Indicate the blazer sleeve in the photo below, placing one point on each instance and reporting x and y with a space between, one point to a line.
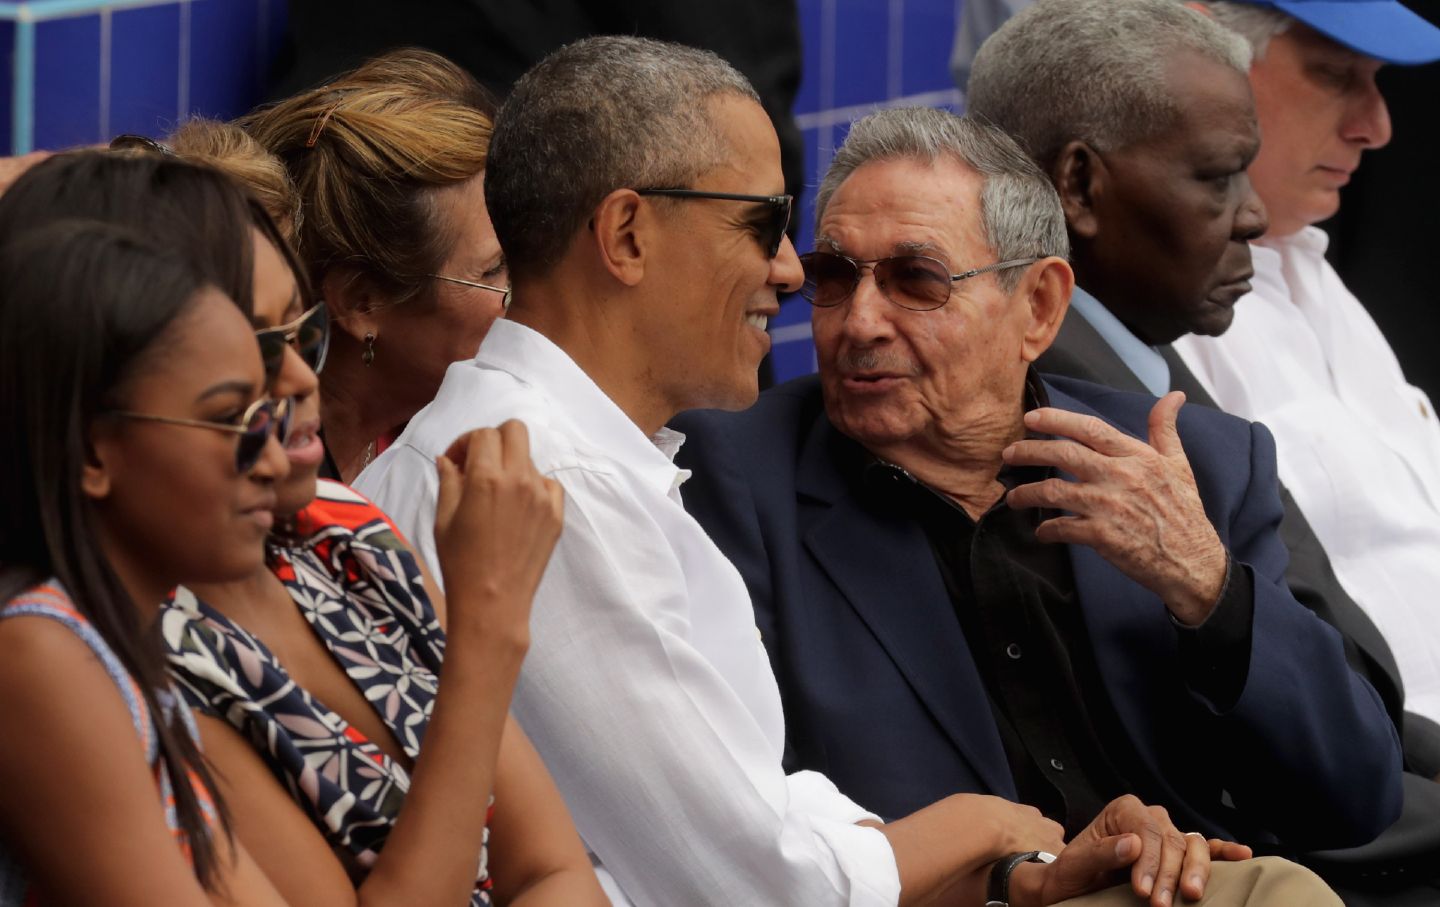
1310 748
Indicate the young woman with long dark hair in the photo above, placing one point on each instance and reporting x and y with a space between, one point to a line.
137 452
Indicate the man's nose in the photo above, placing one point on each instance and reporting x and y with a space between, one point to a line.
786 272
1367 120
868 314
1251 219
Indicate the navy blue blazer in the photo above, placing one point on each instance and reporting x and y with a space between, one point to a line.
879 687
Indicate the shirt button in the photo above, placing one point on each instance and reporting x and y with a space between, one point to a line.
1057 765
1013 650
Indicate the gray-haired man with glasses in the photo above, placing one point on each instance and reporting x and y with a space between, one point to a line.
972 579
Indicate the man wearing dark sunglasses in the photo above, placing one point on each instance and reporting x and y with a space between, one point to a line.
972 579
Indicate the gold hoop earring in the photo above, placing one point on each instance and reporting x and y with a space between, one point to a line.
368 356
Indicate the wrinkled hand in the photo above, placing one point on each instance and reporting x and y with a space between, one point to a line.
1127 833
496 523
1134 503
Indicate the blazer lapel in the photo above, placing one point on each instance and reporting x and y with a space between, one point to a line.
884 568
1131 639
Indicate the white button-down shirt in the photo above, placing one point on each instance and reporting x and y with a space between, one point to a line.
646 689
1358 446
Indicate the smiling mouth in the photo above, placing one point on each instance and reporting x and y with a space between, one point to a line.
757 320
301 435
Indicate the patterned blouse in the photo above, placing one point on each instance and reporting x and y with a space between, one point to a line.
49 600
360 588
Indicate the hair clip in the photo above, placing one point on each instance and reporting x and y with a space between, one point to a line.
320 124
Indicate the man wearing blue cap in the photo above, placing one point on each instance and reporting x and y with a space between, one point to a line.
1358 446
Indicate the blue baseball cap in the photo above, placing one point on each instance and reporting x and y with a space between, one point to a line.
1383 29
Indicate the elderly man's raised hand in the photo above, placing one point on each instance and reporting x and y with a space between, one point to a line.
1135 503
1127 835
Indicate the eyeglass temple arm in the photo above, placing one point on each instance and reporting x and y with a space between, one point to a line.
172 420
468 283
998 266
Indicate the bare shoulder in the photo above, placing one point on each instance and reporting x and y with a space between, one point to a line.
55 687
40 655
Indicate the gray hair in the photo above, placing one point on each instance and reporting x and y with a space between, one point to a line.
598 115
1256 24
1093 70
1019 209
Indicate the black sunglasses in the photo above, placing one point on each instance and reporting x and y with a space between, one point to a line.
310 334
262 419
779 205
915 282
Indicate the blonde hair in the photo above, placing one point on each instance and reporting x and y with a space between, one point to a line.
231 150
367 151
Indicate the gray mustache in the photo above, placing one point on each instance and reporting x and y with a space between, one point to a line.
876 361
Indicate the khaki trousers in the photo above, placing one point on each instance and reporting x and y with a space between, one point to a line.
1251 883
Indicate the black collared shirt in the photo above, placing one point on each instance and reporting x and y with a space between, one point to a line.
1017 604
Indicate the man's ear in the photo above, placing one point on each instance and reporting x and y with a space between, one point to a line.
1202 9
352 298
1080 178
1046 290
625 228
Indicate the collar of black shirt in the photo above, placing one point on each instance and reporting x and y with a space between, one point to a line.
883 481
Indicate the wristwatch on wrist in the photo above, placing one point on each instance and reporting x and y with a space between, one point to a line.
998 892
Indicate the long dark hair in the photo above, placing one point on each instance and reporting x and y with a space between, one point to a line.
188 207
82 304
203 218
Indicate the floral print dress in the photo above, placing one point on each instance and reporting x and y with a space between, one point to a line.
360 588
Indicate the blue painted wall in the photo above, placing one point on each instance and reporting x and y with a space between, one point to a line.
112 69
859 55
108 68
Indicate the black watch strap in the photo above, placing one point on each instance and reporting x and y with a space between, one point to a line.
997 894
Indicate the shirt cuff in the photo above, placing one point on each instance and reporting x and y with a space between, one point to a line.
1215 654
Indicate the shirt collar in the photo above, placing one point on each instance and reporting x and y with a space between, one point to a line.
1145 361
1311 240
535 360
877 475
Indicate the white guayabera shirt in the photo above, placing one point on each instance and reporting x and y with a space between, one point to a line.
1358 446
646 688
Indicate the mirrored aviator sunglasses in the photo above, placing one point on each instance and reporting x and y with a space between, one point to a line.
309 334
262 419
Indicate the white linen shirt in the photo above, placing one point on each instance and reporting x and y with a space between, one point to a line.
646 689
1358 446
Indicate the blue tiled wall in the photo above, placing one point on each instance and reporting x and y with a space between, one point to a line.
859 55
136 65
142 65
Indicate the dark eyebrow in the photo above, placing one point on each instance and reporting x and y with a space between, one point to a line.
243 388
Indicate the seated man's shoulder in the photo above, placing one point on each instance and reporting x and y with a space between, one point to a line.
779 418
473 397
1130 411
